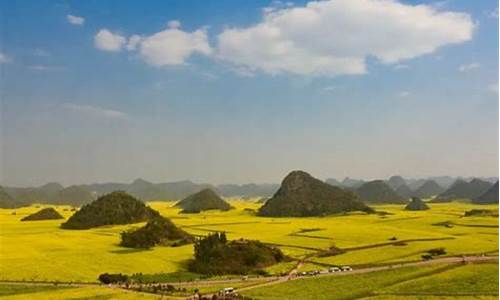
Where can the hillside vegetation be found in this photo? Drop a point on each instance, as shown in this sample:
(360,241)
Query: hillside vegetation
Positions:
(489,197)
(111,209)
(377,191)
(7,201)
(302,195)
(203,200)
(157,231)
(462,189)
(215,255)
(48,213)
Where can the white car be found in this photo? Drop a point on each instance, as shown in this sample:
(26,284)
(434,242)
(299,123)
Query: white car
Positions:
(346,269)
(334,270)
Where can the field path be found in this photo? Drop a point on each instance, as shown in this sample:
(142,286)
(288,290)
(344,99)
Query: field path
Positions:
(266,281)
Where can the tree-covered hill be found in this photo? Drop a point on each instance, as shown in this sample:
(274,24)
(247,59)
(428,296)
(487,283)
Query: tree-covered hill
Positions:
(158,231)
(377,191)
(48,213)
(206,199)
(111,209)
(302,195)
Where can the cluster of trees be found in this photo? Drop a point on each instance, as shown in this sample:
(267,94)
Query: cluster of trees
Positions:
(434,252)
(112,209)
(107,278)
(215,255)
(158,230)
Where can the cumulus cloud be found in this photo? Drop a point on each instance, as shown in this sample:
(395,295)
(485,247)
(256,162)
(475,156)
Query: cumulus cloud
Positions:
(4,58)
(75,20)
(95,111)
(468,67)
(108,41)
(329,38)
(171,46)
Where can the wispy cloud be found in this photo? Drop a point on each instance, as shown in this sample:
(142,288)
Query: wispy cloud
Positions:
(96,111)
(492,14)
(329,89)
(75,20)
(403,94)
(46,68)
(41,52)
(4,58)
(468,67)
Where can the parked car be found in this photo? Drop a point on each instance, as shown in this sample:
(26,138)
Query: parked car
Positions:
(334,270)
(346,269)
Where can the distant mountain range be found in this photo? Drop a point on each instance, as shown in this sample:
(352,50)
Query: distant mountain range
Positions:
(462,189)
(55,193)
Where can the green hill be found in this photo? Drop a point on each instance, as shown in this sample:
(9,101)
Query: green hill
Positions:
(416,204)
(158,231)
(7,201)
(462,189)
(489,197)
(428,189)
(205,199)
(302,195)
(48,213)
(404,191)
(111,209)
(395,182)
(72,195)
(377,191)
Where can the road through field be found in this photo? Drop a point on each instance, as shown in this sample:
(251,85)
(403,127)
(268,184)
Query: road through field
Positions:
(257,282)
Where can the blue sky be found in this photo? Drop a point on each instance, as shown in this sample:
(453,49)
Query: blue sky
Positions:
(245,91)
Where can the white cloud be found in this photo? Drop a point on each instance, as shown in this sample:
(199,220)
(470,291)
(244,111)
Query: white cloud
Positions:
(133,42)
(45,68)
(403,94)
(328,89)
(468,67)
(329,38)
(4,58)
(173,46)
(108,41)
(75,20)
(95,111)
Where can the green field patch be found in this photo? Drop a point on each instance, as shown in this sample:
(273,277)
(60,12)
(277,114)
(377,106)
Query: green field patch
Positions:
(352,286)
(465,280)
(396,243)
(17,289)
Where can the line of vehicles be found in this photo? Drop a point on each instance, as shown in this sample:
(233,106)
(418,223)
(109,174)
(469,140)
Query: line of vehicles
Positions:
(330,270)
